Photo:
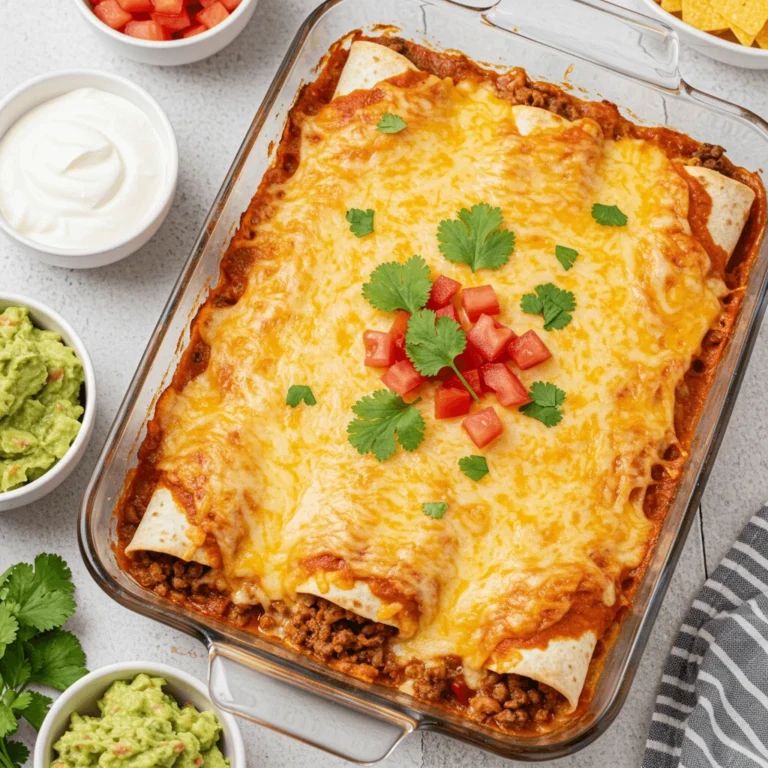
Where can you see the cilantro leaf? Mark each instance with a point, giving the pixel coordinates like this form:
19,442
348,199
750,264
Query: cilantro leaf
297,393
566,256
390,123
381,416
20,702
435,509
553,303
361,222
474,467
546,405
18,753
40,602
433,343
36,711
15,669
8,722
475,238
57,659
608,215
9,627
54,571
396,286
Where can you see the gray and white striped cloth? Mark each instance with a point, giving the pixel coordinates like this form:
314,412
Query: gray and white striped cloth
712,706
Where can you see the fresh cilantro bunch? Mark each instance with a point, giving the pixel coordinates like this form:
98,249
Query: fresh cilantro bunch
35,601
476,238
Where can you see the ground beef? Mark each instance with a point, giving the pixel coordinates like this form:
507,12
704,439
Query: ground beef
514,702
711,156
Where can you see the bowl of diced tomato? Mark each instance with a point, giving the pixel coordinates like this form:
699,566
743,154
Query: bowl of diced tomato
167,32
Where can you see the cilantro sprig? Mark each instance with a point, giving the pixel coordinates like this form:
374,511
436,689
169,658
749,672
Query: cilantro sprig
299,392
382,416
546,403
360,222
566,256
395,286
35,602
553,303
476,238
390,123
474,467
609,215
433,343
434,509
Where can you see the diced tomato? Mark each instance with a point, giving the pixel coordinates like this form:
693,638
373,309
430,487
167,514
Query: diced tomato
488,338
214,14
470,358
168,6
402,377
508,388
397,332
450,402
146,30
379,349
448,311
480,301
110,12
198,29
206,3
528,350
472,378
136,6
230,5
443,290
173,21
483,426
461,690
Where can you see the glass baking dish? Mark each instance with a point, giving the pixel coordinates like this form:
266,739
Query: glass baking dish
601,52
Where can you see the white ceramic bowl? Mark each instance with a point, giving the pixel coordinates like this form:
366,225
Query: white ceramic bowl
170,53
83,695
710,45
41,89
44,317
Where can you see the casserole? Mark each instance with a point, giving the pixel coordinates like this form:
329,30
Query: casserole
401,716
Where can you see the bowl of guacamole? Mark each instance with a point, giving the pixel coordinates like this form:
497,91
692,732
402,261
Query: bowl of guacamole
47,400
136,715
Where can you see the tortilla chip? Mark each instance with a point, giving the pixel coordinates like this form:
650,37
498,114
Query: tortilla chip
743,37
700,14
673,6
749,15
762,37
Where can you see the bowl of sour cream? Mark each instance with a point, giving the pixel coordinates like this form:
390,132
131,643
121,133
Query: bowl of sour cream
88,168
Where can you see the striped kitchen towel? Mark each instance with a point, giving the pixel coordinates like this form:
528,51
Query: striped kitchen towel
712,706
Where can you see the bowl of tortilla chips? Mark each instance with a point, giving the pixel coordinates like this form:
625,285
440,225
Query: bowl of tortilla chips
731,31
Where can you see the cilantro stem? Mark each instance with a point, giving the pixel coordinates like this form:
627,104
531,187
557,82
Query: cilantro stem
5,758
465,383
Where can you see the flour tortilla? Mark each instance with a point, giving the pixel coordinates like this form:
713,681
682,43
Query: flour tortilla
165,529
731,204
368,64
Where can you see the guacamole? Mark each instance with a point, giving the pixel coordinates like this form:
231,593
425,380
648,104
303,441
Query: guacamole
141,727
40,381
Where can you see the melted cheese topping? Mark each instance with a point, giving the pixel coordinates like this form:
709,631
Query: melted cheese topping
561,512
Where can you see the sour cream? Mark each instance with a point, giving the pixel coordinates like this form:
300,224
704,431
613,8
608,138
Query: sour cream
84,170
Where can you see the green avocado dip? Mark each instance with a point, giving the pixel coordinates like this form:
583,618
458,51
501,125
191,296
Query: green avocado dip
141,727
40,381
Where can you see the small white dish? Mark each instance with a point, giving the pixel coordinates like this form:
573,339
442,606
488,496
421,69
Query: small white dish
41,89
83,695
46,318
710,45
170,53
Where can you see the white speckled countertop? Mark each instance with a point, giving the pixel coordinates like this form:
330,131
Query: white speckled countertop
115,309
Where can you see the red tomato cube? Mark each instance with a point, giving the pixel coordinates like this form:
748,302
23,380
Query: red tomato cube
488,338
230,5
528,350
136,6
480,301
403,378
110,12
173,21
397,331
146,30
206,3
483,426
509,389
450,402
448,311
472,378
168,6
198,29
379,349
214,14
470,358
443,290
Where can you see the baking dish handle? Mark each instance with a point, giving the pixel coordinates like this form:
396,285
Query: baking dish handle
596,31
268,694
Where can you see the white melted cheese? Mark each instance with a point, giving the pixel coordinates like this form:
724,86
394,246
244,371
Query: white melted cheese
561,510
